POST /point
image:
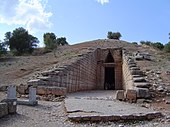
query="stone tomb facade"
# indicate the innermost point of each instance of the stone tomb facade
(99, 69)
(109, 69)
(96, 70)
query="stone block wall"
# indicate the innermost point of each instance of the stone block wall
(133, 77)
(127, 76)
(77, 76)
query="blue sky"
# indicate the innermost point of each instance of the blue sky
(83, 20)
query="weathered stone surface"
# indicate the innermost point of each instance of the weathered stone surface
(131, 95)
(80, 108)
(3, 109)
(120, 95)
(142, 92)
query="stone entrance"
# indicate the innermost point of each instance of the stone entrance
(100, 69)
(109, 83)
(109, 70)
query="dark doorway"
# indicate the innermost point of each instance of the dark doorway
(109, 83)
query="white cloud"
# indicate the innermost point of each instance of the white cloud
(103, 1)
(29, 13)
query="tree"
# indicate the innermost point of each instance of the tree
(167, 47)
(61, 41)
(50, 40)
(8, 35)
(146, 43)
(115, 35)
(20, 41)
(158, 45)
(2, 48)
(109, 35)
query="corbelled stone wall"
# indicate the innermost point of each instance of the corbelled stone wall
(77, 76)
(87, 72)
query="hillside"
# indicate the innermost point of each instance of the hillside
(19, 69)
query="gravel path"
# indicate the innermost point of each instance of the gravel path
(53, 114)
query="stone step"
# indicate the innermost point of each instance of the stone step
(36, 82)
(137, 72)
(44, 78)
(139, 79)
(134, 76)
(142, 84)
(132, 65)
(50, 72)
(134, 68)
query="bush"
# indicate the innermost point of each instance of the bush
(115, 35)
(146, 43)
(61, 41)
(167, 47)
(158, 45)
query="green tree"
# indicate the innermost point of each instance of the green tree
(20, 41)
(61, 41)
(158, 45)
(146, 43)
(109, 35)
(167, 47)
(115, 35)
(2, 48)
(8, 36)
(50, 40)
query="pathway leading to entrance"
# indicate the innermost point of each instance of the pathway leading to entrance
(102, 106)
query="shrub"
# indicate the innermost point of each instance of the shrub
(167, 47)
(115, 35)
